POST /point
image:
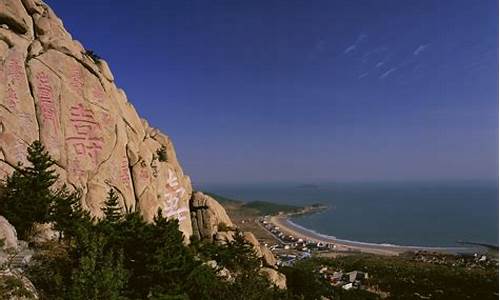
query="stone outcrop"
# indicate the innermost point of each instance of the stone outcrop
(8, 234)
(276, 278)
(211, 222)
(208, 217)
(261, 251)
(15, 286)
(54, 90)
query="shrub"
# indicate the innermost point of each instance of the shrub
(162, 153)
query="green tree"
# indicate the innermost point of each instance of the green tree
(67, 214)
(27, 194)
(112, 211)
(100, 274)
(162, 153)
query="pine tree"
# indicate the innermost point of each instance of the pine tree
(67, 214)
(112, 210)
(27, 193)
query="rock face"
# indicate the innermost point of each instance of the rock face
(52, 89)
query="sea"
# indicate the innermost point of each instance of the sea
(401, 213)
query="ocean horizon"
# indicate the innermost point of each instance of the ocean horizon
(430, 213)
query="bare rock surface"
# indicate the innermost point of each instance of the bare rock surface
(261, 251)
(208, 216)
(54, 90)
(8, 234)
(276, 278)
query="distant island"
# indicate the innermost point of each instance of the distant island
(308, 186)
(263, 208)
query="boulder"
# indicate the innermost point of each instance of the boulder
(8, 234)
(276, 278)
(208, 217)
(15, 286)
(224, 237)
(261, 250)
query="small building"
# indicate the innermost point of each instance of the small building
(357, 275)
(347, 286)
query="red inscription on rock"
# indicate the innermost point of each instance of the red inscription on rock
(98, 94)
(124, 172)
(87, 140)
(76, 80)
(46, 99)
(11, 98)
(75, 168)
(15, 70)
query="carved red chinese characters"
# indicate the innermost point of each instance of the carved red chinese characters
(87, 140)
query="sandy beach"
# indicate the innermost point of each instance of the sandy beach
(289, 228)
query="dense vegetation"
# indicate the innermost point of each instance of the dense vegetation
(120, 256)
(400, 277)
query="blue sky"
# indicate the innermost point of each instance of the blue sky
(308, 91)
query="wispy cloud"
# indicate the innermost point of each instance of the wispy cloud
(318, 49)
(355, 45)
(350, 49)
(379, 53)
(363, 75)
(388, 72)
(379, 64)
(421, 48)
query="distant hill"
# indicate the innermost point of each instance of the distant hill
(223, 200)
(259, 207)
(308, 186)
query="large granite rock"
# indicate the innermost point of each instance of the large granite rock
(211, 222)
(52, 89)
(209, 218)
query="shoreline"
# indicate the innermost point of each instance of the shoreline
(298, 231)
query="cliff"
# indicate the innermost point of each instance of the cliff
(53, 90)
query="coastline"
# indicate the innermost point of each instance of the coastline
(290, 228)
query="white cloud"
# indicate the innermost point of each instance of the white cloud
(353, 47)
(420, 49)
(363, 75)
(349, 49)
(387, 73)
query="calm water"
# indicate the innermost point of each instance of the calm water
(423, 214)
